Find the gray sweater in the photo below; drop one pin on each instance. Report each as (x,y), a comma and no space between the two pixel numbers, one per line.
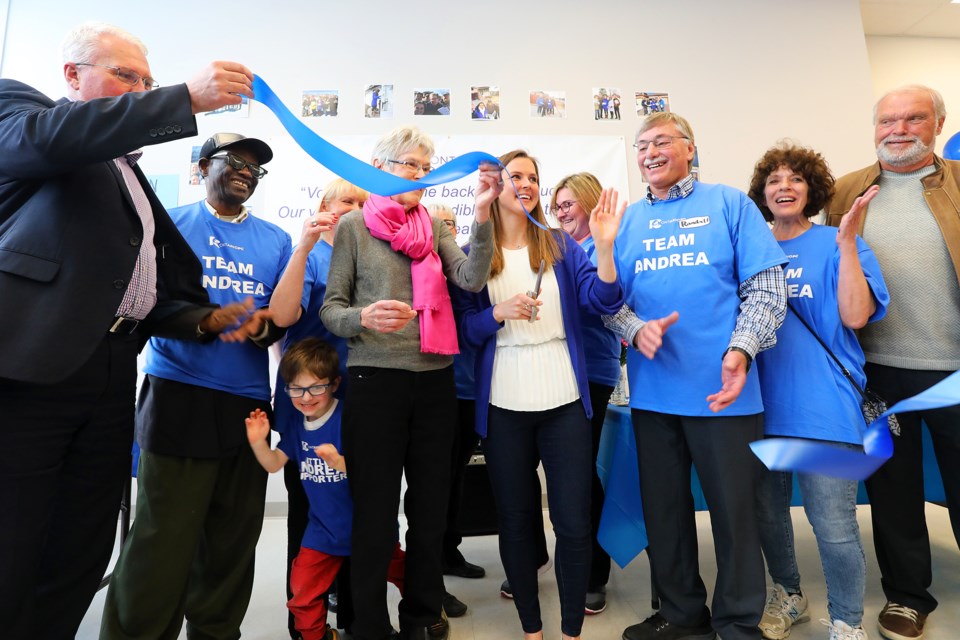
(364,270)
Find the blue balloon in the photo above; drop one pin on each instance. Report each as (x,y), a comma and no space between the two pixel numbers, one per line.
(951,150)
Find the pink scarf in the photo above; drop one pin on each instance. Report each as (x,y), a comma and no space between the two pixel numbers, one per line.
(412,234)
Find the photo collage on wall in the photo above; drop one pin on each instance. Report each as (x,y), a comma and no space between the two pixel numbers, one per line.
(484,105)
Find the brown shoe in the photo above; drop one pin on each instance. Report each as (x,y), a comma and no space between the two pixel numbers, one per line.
(898,622)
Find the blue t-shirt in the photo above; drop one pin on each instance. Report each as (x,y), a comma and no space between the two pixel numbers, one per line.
(309,325)
(330,516)
(691,255)
(804,392)
(239,260)
(600,345)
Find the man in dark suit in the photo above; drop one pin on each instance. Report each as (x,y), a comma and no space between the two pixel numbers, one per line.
(90,267)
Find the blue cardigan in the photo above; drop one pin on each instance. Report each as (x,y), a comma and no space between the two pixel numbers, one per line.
(579,287)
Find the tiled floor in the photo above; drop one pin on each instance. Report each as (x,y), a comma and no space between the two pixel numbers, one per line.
(491,617)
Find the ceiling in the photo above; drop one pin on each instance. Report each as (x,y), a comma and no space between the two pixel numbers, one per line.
(919,18)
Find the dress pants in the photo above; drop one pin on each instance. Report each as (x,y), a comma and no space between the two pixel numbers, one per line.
(64,459)
(896,489)
(397,421)
(728,472)
(190,552)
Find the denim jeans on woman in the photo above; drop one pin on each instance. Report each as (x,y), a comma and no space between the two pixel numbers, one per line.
(516,442)
(831,508)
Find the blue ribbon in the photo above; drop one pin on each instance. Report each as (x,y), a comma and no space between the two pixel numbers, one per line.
(808,456)
(358,172)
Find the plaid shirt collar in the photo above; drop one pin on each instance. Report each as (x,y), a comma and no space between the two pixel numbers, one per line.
(234,219)
(680,190)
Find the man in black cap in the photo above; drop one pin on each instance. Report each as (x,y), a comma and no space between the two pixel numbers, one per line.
(190,552)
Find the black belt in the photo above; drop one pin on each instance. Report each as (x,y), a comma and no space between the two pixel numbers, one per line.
(123,325)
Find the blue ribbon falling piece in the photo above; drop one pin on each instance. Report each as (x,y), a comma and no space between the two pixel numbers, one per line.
(358,172)
(808,456)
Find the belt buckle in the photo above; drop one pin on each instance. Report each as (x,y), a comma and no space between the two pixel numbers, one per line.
(124,325)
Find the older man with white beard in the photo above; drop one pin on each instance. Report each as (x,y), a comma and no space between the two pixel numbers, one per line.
(914,229)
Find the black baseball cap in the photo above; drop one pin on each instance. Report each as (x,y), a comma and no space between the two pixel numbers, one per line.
(221,141)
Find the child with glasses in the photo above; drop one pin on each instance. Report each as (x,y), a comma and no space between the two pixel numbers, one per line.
(309,369)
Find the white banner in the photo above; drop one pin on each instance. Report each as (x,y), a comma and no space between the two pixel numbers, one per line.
(294,186)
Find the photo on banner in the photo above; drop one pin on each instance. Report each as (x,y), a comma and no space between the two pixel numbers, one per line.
(485,103)
(606,103)
(652,102)
(548,104)
(431,102)
(320,102)
(378,101)
(241,110)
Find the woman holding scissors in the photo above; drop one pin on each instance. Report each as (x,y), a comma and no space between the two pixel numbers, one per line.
(533,402)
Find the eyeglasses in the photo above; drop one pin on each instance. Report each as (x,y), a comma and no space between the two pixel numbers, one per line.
(315,390)
(660,142)
(238,164)
(125,75)
(412,166)
(565,206)
(451,224)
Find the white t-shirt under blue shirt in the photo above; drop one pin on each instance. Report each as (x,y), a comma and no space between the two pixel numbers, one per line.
(804,392)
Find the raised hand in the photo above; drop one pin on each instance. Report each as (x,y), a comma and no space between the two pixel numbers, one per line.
(605,218)
(258,426)
(489,188)
(850,223)
(332,457)
(218,84)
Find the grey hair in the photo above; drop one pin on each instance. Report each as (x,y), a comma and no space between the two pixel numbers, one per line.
(82,43)
(436,208)
(939,108)
(402,140)
(666,117)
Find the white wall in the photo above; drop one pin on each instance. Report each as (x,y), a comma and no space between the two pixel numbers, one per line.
(934,62)
(744,72)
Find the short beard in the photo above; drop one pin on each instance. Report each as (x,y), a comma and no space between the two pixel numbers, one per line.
(905,157)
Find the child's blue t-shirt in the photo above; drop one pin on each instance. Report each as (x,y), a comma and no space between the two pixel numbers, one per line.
(309,325)
(330,516)
(691,255)
(804,392)
(239,260)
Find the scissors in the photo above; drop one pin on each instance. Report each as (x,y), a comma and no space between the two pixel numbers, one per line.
(536,291)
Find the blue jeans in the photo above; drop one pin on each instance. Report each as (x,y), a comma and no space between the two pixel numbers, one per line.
(831,508)
(516,442)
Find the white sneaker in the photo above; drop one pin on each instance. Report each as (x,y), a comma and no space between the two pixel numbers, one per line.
(840,630)
(782,611)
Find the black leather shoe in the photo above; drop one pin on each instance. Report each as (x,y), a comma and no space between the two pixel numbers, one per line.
(464,570)
(656,627)
(439,630)
(453,607)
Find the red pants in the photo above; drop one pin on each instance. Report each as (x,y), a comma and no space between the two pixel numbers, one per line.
(311,576)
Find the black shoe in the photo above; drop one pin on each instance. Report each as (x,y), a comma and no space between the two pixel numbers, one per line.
(464,570)
(656,627)
(453,607)
(505,590)
(596,601)
(439,630)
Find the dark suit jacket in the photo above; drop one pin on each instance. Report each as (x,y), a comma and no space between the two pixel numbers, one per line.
(69,232)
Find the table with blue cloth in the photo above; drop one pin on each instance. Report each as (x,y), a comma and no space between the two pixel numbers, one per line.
(622,532)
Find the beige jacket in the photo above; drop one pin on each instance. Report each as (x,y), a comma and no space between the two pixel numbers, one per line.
(941,192)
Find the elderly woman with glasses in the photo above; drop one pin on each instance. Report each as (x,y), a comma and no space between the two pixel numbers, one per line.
(387,294)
